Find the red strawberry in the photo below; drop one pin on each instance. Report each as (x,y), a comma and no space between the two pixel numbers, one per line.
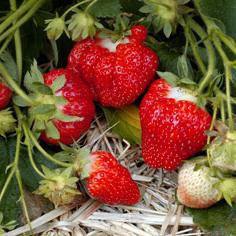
(79,104)
(108,181)
(173,126)
(197,188)
(116,72)
(5,95)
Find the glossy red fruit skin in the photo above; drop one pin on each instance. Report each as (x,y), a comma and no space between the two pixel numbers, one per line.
(79,104)
(5,95)
(109,182)
(172,130)
(116,78)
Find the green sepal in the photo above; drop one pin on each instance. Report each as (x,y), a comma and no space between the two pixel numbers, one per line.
(33,76)
(58,83)
(43,111)
(170,77)
(19,101)
(59,100)
(52,131)
(38,87)
(59,115)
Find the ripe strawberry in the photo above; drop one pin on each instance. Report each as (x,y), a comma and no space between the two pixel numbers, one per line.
(79,104)
(172,125)
(117,72)
(108,181)
(196,188)
(5,95)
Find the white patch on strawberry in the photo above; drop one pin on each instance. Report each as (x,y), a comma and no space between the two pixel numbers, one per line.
(111,46)
(181,94)
(196,188)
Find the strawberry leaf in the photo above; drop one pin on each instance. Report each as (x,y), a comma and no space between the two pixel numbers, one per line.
(219,219)
(106,8)
(126,122)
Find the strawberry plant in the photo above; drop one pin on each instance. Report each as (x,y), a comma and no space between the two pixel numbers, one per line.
(160,74)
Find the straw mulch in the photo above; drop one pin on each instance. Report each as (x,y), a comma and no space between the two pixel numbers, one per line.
(158,214)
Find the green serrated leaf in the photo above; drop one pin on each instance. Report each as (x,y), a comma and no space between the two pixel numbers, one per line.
(126,122)
(219,219)
(52,131)
(58,83)
(106,8)
(38,87)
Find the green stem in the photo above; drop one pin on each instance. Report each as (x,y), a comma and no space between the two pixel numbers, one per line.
(73,7)
(15,163)
(228,78)
(20,185)
(90,5)
(7,182)
(47,155)
(14,85)
(210,52)
(21,10)
(229,42)
(193,43)
(18,46)
(5,44)
(211,128)
(22,20)
(222,110)
(30,153)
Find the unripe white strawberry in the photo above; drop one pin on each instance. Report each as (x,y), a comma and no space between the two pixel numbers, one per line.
(196,186)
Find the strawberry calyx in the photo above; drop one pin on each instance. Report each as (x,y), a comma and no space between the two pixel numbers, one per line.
(48,103)
(59,186)
(227,187)
(7,122)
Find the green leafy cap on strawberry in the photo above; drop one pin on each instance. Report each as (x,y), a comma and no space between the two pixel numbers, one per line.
(59,186)
(7,122)
(46,104)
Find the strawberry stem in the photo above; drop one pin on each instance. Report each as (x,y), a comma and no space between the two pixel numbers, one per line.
(30,153)
(228,77)
(40,149)
(18,46)
(22,198)
(193,43)
(211,128)
(73,7)
(22,20)
(18,13)
(14,165)
(12,83)
(6,43)
(210,52)
(90,5)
